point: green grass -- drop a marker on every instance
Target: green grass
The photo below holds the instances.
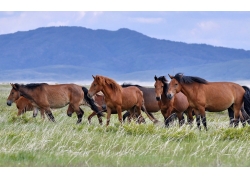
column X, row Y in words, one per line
column 33, row 142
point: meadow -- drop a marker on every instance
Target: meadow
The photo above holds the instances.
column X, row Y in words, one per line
column 33, row 142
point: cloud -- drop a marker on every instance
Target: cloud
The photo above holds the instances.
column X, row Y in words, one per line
column 80, row 15
column 148, row 20
column 208, row 26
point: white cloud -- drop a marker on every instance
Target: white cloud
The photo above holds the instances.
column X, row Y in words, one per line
column 80, row 15
column 148, row 20
column 208, row 26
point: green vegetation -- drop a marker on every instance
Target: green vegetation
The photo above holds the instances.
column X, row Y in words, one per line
column 34, row 142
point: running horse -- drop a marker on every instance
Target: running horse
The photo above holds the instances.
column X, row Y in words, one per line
column 210, row 96
column 178, row 104
column 118, row 99
column 45, row 96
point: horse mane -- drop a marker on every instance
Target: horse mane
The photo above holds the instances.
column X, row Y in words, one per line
column 129, row 84
column 189, row 79
column 31, row 86
column 165, row 84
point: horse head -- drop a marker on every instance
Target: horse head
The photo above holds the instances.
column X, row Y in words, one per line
column 160, row 86
column 14, row 94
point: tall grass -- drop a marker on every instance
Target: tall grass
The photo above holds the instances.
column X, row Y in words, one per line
column 28, row 141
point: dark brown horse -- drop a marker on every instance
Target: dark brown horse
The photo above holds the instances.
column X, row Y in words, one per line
column 178, row 104
column 118, row 99
column 45, row 97
column 210, row 96
column 150, row 102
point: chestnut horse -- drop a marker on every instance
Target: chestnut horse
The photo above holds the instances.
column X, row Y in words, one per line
column 178, row 104
column 119, row 99
column 150, row 103
column 210, row 96
column 45, row 97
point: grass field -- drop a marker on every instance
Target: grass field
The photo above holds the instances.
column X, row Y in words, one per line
column 32, row 142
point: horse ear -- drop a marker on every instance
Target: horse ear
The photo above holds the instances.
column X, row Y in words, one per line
column 165, row 79
column 13, row 86
column 155, row 78
column 93, row 76
column 171, row 77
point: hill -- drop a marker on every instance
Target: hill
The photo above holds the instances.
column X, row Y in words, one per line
column 75, row 53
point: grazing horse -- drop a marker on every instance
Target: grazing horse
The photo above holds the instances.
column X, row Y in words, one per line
column 150, row 103
column 210, row 96
column 118, row 99
column 45, row 97
column 178, row 104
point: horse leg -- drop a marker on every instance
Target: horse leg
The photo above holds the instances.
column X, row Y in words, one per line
column 119, row 112
column 190, row 116
column 231, row 116
column 42, row 112
column 70, row 110
column 79, row 115
column 90, row 116
column 181, row 118
column 242, row 120
column 204, row 120
column 49, row 115
column 35, row 111
column 99, row 118
column 125, row 115
column 108, row 116
column 236, row 109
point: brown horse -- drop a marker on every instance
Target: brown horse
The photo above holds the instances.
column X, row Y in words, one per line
column 178, row 104
column 150, row 103
column 118, row 99
column 210, row 96
column 45, row 97
column 23, row 105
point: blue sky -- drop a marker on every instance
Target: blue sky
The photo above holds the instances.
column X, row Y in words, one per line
column 197, row 24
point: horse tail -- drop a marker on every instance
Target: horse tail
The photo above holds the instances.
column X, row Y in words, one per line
column 246, row 99
column 91, row 102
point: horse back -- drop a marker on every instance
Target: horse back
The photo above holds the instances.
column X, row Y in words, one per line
column 131, row 96
column 221, row 95
column 60, row 95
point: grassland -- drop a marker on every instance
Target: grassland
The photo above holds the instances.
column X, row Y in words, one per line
column 33, row 142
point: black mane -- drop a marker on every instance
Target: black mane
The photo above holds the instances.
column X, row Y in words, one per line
column 189, row 79
column 128, row 84
column 33, row 85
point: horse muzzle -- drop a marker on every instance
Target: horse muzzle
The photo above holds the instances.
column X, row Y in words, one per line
column 158, row 98
column 170, row 96
column 9, row 103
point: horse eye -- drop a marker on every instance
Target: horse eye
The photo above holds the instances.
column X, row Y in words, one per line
column 176, row 84
column 12, row 93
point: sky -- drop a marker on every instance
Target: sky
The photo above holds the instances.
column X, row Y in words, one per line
column 213, row 24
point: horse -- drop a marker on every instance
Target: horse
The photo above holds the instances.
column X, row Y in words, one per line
column 150, row 103
column 178, row 104
column 45, row 97
column 119, row 99
column 23, row 105
column 210, row 96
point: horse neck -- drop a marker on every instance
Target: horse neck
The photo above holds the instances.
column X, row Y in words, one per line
column 107, row 91
column 27, row 93
column 187, row 90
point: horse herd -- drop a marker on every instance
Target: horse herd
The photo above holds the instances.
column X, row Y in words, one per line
column 182, row 95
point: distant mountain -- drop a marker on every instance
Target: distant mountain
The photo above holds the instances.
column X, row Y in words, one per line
column 75, row 53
